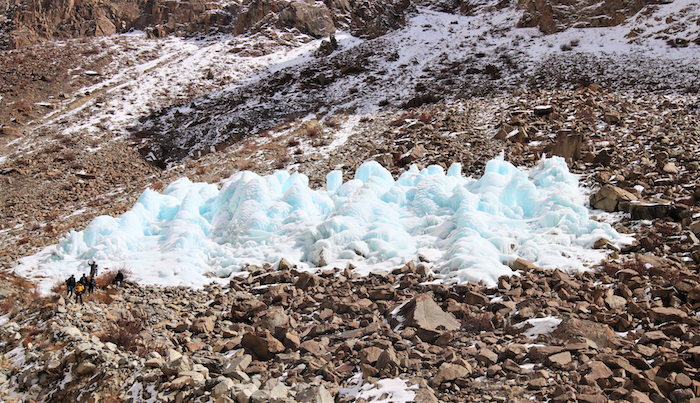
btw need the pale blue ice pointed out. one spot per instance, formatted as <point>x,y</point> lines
<point>469,229</point>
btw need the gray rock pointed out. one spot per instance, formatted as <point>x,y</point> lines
<point>222,388</point>
<point>314,394</point>
<point>425,315</point>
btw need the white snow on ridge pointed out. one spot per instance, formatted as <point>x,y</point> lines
<point>472,228</point>
<point>430,40</point>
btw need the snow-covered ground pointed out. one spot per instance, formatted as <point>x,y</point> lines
<point>205,91</point>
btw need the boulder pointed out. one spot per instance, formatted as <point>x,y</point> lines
<point>263,344</point>
<point>202,325</point>
<point>427,317</point>
<point>449,372</point>
<point>312,18</point>
<point>314,394</point>
<point>567,145</point>
<point>609,197</point>
<point>176,363</point>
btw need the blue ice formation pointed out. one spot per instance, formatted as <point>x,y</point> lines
<point>470,229</point>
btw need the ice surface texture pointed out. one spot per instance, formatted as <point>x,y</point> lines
<point>468,229</point>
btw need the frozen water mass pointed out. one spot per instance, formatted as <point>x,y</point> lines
<point>468,229</point>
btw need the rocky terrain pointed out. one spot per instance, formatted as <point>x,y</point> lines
<point>625,331</point>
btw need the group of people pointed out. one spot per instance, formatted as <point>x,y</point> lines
<point>88,284</point>
<point>80,287</point>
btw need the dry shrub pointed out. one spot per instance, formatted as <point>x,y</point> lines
<point>312,128</point>
<point>152,346</point>
<point>281,162</point>
<point>22,106</point>
<point>52,149</point>
<point>124,334</point>
<point>105,279</point>
<point>610,268</point>
<point>30,335</point>
<point>477,321</point>
<point>334,122</point>
<point>244,165</point>
<point>101,297</point>
<point>636,265</point>
<point>158,186</point>
<point>7,304</point>
<point>667,229</point>
<point>201,170</point>
<point>293,143</point>
<point>26,285</point>
<point>398,122</point>
<point>59,288</point>
<point>69,156</point>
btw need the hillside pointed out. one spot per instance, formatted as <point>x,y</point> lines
<point>105,103</point>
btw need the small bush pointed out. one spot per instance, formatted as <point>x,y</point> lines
<point>477,321</point>
<point>7,304</point>
<point>565,47</point>
<point>124,334</point>
<point>312,128</point>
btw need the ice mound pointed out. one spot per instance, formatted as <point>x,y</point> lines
<point>468,229</point>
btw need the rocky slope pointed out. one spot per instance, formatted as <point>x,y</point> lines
<point>626,331</point>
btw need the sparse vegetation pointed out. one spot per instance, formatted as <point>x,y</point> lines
<point>477,321</point>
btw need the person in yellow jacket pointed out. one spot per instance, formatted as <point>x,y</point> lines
<point>79,290</point>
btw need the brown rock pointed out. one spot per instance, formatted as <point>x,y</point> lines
<point>427,317</point>
<point>202,325</point>
<point>273,318</point>
<point>567,145</point>
<point>370,355</point>
<point>609,197</point>
<point>487,357</point>
<point>476,298</point>
<point>559,359</point>
<point>263,344</point>
<point>449,372</point>
<point>521,264</point>
<point>307,280</point>
<point>636,396</point>
<point>585,398</point>
<point>598,370</point>
<point>242,310</point>
<point>572,329</point>
<point>653,337</point>
<point>663,314</point>
<point>540,353</point>
<point>382,293</point>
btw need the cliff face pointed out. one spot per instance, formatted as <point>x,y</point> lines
<point>552,16</point>
<point>27,22</point>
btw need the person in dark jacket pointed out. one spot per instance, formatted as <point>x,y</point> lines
<point>70,285</point>
<point>84,280</point>
<point>91,285</point>
<point>93,269</point>
<point>119,279</point>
